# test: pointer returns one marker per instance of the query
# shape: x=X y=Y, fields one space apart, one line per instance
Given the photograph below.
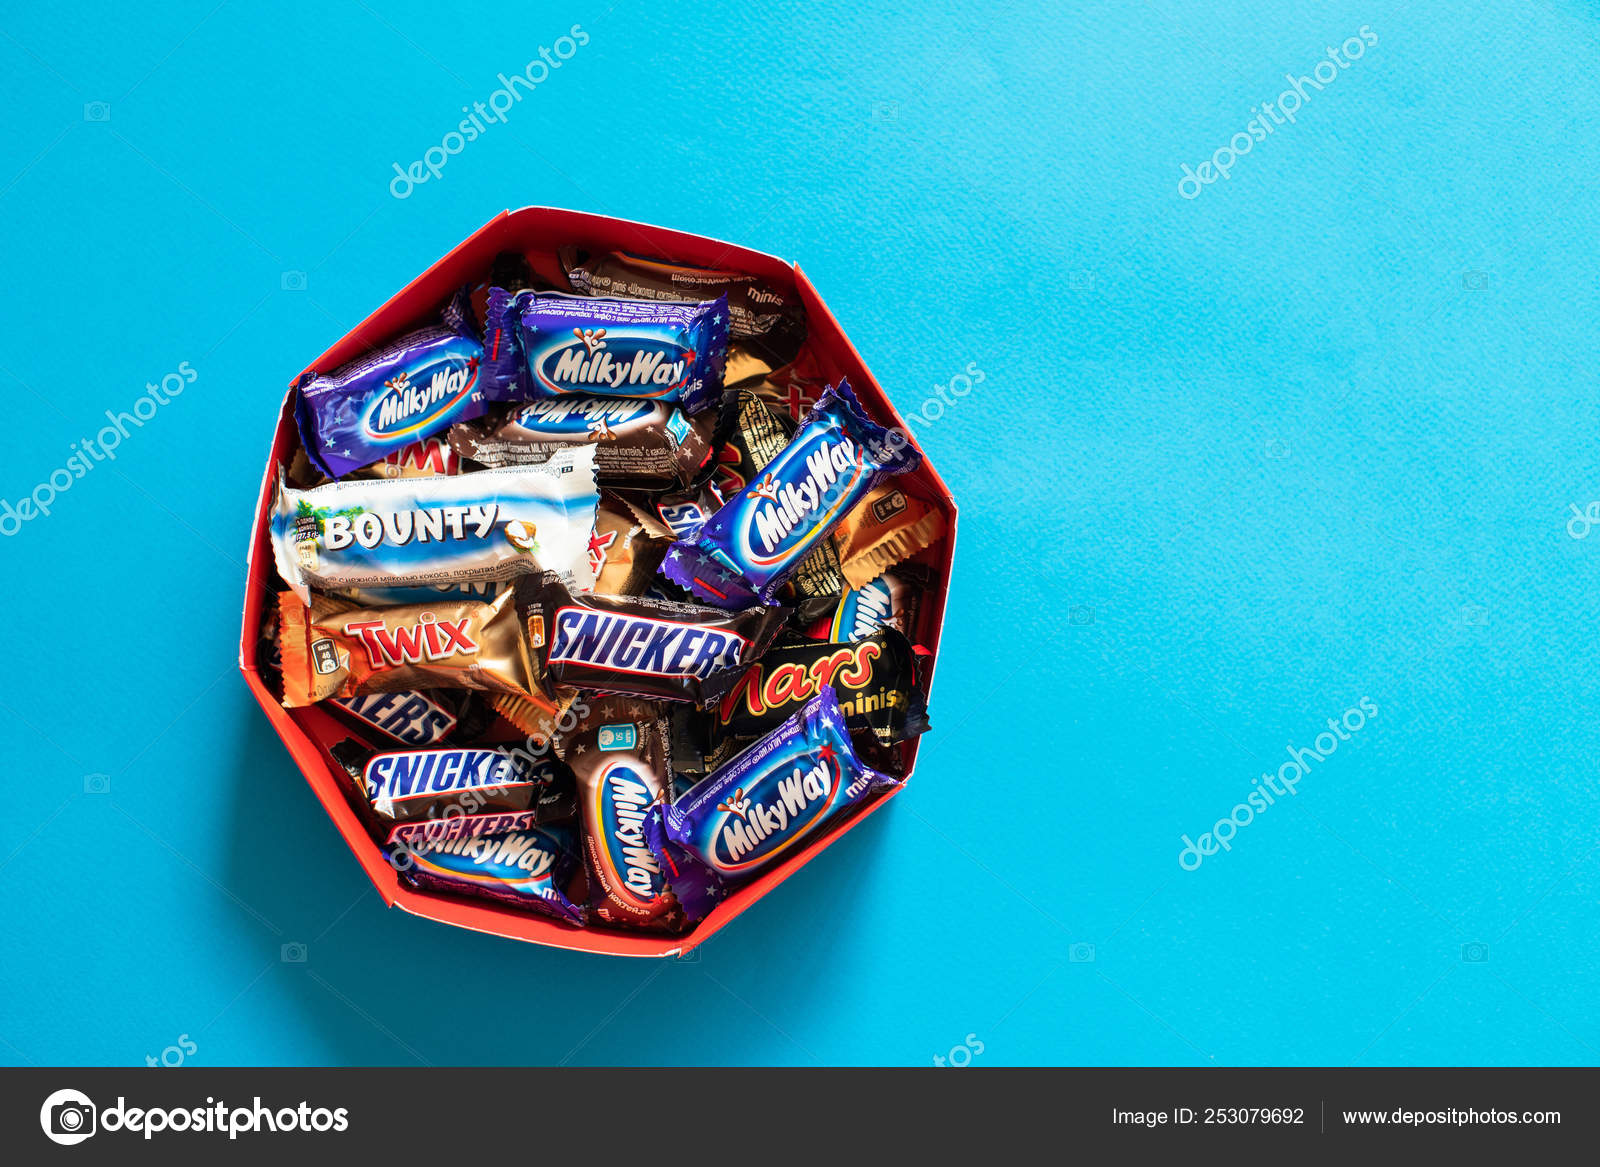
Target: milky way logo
x=412 y=404
x=775 y=808
x=597 y=361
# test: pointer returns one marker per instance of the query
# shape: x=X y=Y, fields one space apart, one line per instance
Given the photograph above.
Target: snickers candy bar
x=762 y=319
x=336 y=648
x=639 y=444
x=409 y=389
x=433 y=784
x=760 y=537
x=754 y=811
x=532 y=868
x=413 y=718
x=642 y=647
x=548 y=344
x=488 y=525
x=618 y=756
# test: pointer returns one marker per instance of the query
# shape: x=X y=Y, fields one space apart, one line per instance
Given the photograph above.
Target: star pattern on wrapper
x=328 y=442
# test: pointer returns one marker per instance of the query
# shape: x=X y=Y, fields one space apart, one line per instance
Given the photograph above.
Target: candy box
x=539 y=233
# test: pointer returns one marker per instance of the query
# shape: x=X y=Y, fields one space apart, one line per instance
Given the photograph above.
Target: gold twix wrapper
x=337 y=648
x=888 y=527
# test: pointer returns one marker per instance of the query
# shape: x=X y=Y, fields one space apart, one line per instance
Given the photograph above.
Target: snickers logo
x=640 y=645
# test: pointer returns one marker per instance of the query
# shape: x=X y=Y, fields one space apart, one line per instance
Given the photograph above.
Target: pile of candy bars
x=617 y=597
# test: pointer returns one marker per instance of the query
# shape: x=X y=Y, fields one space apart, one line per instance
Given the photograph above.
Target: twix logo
x=429 y=639
x=849 y=667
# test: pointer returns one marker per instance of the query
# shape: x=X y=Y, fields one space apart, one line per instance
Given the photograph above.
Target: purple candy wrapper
x=413 y=387
x=550 y=344
x=757 y=809
x=529 y=869
x=744 y=552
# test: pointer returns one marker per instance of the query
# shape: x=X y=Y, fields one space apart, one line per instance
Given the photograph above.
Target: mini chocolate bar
x=530 y=869
x=892 y=600
x=758 y=539
x=413 y=718
x=411 y=388
x=623 y=552
x=618 y=755
x=336 y=648
x=549 y=344
x=637 y=444
x=641 y=647
x=428 y=458
x=758 y=808
x=422 y=784
x=887 y=527
x=491 y=524
x=875 y=681
x=761 y=319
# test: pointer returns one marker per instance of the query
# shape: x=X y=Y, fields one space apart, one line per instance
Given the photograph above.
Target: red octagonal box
x=538 y=232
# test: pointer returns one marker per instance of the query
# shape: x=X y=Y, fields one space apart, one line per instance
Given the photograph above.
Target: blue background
x=1237 y=462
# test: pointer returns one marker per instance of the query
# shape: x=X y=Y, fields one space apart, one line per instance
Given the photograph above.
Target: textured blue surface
x=1235 y=463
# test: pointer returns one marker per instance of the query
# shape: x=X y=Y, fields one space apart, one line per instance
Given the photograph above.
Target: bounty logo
x=775 y=810
x=601 y=417
x=621 y=801
x=782 y=517
x=411 y=406
x=597 y=362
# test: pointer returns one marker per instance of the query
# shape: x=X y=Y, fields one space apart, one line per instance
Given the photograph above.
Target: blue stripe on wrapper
x=422 y=383
x=744 y=552
x=550 y=344
x=754 y=811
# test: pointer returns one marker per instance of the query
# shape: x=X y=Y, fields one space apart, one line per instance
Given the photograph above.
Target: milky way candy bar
x=754 y=811
x=488 y=525
x=638 y=444
x=531 y=869
x=618 y=756
x=761 y=318
x=410 y=388
x=548 y=344
x=642 y=647
x=760 y=537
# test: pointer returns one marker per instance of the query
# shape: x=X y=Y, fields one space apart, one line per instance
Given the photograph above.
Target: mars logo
x=67 y=1117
